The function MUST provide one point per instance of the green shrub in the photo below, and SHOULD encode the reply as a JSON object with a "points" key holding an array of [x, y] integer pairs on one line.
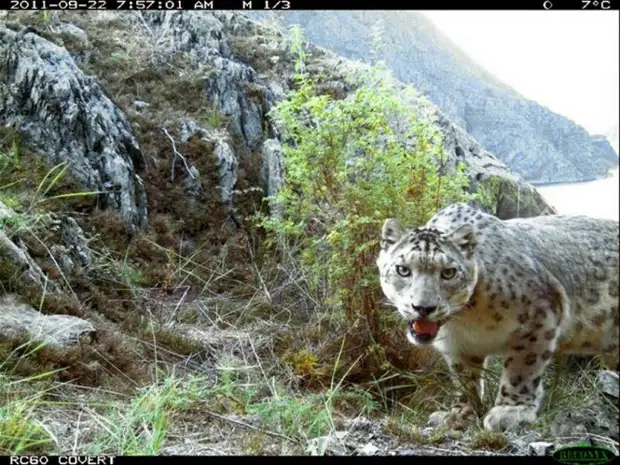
{"points": [[349, 165]]}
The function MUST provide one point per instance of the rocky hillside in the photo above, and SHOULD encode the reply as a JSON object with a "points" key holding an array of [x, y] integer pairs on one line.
{"points": [[141, 310], [540, 145], [241, 81]]}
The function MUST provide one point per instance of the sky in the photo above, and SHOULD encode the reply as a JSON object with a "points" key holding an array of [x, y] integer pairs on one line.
{"points": [[565, 60]]}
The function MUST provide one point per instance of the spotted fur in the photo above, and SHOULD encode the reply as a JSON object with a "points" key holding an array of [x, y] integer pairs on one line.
{"points": [[524, 288]]}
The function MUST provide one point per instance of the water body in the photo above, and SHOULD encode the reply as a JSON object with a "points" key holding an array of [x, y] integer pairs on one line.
{"points": [[598, 198]]}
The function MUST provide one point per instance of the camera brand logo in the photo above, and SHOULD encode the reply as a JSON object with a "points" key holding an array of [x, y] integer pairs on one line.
{"points": [[584, 453]]}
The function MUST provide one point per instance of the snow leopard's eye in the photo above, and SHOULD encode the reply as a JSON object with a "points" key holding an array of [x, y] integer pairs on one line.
{"points": [[448, 273], [403, 271]]}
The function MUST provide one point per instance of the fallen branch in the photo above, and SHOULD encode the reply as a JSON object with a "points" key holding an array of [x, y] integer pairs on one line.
{"points": [[177, 154]]}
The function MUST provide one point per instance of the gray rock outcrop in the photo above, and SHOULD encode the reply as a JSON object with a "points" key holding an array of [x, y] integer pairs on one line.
{"points": [[225, 157], [230, 84], [272, 167], [244, 95], [18, 255], [534, 142], [608, 383], [18, 319], [65, 116]]}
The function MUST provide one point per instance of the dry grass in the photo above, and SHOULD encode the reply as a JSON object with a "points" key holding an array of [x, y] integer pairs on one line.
{"points": [[489, 440], [207, 343]]}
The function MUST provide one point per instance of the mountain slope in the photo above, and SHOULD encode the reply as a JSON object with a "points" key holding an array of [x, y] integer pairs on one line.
{"points": [[188, 334], [533, 141]]}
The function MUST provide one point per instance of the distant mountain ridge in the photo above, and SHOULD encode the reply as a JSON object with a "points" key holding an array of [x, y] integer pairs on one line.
{"points": [[540, 145]]}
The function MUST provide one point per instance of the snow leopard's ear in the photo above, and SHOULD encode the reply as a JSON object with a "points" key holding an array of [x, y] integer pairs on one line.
{"points": [[464, 238], [391, 232]]}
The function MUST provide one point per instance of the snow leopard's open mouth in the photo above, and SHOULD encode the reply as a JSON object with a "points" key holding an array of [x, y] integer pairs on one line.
{"points": [[424, 331]]}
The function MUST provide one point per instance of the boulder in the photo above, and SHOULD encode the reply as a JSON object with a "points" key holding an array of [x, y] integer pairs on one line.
{"points": [[18, 319], [64, 116]]}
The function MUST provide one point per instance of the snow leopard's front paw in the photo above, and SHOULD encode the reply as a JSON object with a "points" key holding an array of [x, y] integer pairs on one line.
{"points": [[509, 417]]}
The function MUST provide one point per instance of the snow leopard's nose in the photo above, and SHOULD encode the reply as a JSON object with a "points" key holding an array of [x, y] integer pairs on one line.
{"points": [[423, 311]]}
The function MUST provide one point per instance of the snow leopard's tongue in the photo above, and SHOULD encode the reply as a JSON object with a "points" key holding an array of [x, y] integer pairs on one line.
{"points": [[425, 327]]}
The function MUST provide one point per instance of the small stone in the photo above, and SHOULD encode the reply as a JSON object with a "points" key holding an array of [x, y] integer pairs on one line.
{"points": [[328, 445], [522, 442], [141, 104], [541, 448], [71, 30], [437, 418], [361, 424], [607, 382], [18, 318], [368, 449]]}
